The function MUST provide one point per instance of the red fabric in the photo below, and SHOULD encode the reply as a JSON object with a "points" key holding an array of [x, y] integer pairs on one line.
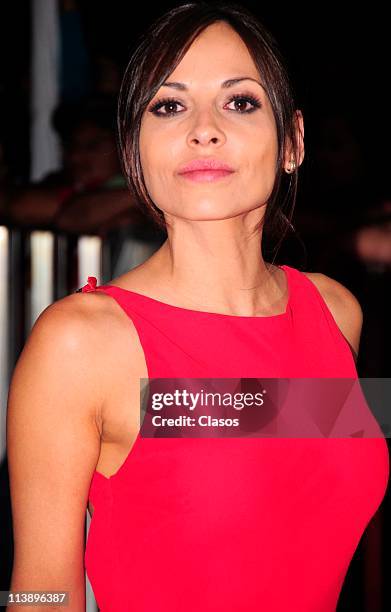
{"points": [[90, 285], [234, 524]]}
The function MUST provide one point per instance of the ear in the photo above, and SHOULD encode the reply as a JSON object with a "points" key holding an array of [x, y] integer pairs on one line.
{"points": [[289, 155]]}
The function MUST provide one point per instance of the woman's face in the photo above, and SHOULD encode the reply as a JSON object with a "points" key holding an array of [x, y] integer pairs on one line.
{"points": [[210, 115]]}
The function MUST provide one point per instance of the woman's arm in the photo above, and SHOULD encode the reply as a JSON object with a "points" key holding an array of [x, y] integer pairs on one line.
{"points": [[53, 444]]}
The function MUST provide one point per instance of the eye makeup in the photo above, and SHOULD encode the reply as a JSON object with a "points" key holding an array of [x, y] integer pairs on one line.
{"points": [[236, 98]]}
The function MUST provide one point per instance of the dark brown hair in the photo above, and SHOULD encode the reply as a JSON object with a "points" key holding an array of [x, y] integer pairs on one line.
{"points": [[160, 50]]}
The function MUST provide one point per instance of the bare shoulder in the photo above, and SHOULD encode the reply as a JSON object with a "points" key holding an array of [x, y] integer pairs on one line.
{"points": [[66, 337], [77, 320], [89, 329], [343, 305], [84, 318]]}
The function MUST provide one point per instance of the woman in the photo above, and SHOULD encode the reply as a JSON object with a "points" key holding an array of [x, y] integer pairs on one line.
{"points": [[211, 144]]}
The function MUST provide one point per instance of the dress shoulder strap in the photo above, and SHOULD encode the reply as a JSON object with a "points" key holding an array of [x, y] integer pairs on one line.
{"points": [[309, 302]]}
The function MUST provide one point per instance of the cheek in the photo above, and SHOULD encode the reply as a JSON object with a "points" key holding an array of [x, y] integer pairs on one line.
{"points": [[261, 153], [151, 145], [158, 159]]}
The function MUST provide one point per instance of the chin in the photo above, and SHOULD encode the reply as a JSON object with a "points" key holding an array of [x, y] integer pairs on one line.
{"points": [[205, 209]]}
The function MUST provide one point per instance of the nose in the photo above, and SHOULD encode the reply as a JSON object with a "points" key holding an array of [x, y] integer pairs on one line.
{"points": [[205, 131]]}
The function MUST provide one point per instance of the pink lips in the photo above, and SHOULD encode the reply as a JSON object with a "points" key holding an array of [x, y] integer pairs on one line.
{"points": [[205, 170]]}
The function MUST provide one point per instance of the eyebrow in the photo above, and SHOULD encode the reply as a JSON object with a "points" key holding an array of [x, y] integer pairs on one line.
{"points": [[224, 84]]}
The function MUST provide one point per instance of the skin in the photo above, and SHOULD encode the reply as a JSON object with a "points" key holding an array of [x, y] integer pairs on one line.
{"points": [[70, 412]]}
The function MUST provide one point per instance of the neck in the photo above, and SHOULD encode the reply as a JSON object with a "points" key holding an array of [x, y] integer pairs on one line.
{"points": [[219, 272]]}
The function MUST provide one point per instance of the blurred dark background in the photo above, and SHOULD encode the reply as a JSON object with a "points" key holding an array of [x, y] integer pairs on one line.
{"points": [[338, 58]]}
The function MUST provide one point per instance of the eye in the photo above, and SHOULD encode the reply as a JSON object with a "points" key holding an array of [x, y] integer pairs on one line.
{"points": [[169, 104], [241, 101]]}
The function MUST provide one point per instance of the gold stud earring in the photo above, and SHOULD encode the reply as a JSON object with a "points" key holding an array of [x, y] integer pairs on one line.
{"points": [[292, 167]]}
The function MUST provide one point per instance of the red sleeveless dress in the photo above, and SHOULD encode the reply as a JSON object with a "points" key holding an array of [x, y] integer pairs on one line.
{"points": [[234, 524]]}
